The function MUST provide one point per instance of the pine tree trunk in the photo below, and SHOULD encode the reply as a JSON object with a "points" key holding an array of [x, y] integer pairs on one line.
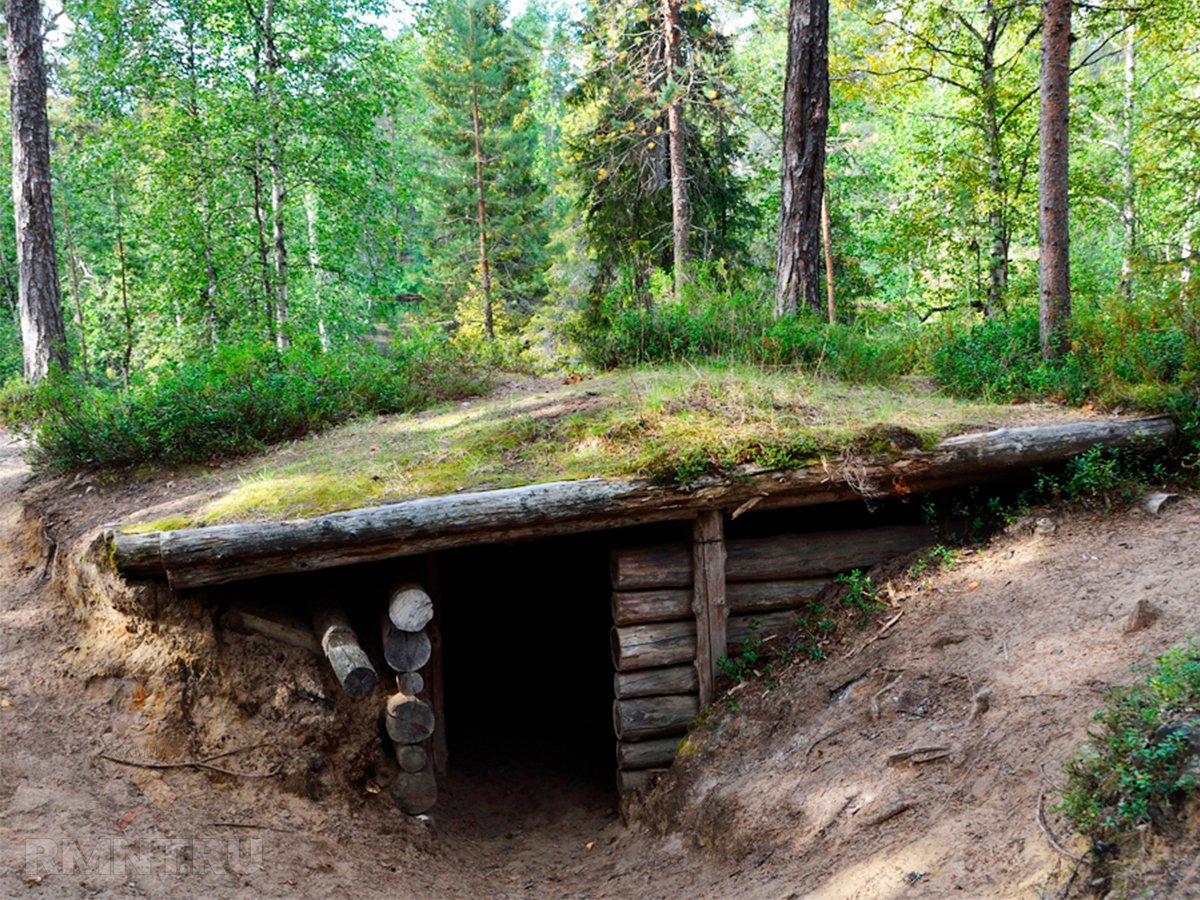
{"points": [[485, 269], [805, 123], [1054, 272], [43, 334], [681, 213]]}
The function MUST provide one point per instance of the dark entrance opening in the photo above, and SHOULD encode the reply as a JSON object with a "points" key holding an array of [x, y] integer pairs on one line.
{"points": [[528, 670]]}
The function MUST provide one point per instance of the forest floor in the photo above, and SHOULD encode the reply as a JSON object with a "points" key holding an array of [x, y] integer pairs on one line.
{"points": [[789, 795]]}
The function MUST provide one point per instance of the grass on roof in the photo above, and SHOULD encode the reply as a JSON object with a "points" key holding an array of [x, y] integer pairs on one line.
{"points": [[668, 425]]}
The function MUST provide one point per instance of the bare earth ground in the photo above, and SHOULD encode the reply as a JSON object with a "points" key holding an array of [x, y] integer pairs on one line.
{"points": [[789, 796]]}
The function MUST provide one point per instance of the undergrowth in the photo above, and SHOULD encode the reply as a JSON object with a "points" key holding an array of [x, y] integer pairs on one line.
{"points": [[232, 401], [1140, 759], [719, 318]]}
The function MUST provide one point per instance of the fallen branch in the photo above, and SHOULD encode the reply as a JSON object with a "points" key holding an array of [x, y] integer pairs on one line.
{"points": [[205, 763], [939, 751], [1045, 829], [250, 825], [887, 626]]}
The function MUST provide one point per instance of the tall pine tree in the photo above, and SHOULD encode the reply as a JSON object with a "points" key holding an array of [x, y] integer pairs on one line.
{"points": [[487, 246]]}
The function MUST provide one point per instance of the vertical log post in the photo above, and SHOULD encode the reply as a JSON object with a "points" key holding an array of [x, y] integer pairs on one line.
{"points": [[435, 689], [708, 597]]}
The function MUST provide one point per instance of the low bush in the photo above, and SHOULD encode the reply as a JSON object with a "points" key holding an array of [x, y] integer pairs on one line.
{"points": [[1140, 760], [720, 318], [232, 401]]}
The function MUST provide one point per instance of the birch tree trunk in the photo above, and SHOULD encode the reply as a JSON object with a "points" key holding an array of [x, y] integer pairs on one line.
{"points": [[805, 123], [681, 212], [43, 334], [1054, 261]]}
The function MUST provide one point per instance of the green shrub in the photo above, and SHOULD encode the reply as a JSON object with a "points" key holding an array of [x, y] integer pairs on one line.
{"points": [[235, 400], [720, 318], [1137, 763]]}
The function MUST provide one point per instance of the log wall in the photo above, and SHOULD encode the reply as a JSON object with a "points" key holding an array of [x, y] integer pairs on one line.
{"points": [[670, 625]]}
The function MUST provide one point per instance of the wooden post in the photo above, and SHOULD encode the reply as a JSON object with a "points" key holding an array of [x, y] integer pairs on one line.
{"points": [[708, 597], [435, 686]]}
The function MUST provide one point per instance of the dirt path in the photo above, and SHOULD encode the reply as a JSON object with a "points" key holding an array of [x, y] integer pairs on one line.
{"points": [[789, 796]]}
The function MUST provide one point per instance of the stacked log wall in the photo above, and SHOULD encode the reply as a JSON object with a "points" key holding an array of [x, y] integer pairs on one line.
{"points": [[658, 657]]}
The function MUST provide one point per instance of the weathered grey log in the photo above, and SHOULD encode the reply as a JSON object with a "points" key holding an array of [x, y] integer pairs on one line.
{"points": [[708, 598], [410, 682], [672, 604], [654, 717], [192, 557], [637, 780], [409, 720], [774, 558], [272, 625], [415, 792], [340, 644], [660, 644], [646, 754], [656, 682], [405, 651], [410, 608], [411, 757], [141, 554]]}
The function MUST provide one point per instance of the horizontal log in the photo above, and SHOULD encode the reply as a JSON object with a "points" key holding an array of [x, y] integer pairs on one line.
{"points": [[350, 664], [405, 651], [415, 792], [774, 558], [272, 625], [664, 605], [192, 557], [637, 780], [410, 608], [411, 757], [411, 683], [646, 754], [654, 717], [409, 720], [656, 682], [659, 644], [672, 604]]}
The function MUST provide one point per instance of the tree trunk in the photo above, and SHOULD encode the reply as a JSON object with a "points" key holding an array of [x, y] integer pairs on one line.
{"points": [[1054, 262], [805, 123], [827, 243], [264, 251], [997, 221], [76, 291], [1128, 178], [681, 213], [126, 312], [314, 264], [278, 187], [43, 334], [485, 268]]}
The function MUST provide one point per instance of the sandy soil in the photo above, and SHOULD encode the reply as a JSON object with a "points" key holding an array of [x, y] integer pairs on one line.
{"points": [[791, 795]]}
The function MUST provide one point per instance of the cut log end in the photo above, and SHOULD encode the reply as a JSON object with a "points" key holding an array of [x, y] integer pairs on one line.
{"points": [[415, 792]]}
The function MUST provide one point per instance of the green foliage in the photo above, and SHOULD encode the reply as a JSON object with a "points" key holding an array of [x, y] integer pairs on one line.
{"points": [[617, 146], [232, 401], [718, 318], [1138, 763], [858, 593]]}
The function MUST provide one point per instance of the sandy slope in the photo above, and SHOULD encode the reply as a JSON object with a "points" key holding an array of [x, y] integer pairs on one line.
{"points": [[792, 795]]}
